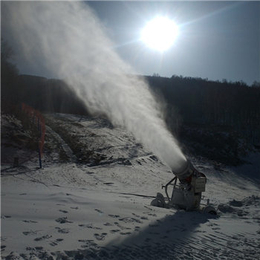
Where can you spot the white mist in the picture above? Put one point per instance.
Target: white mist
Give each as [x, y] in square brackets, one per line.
[68, 40]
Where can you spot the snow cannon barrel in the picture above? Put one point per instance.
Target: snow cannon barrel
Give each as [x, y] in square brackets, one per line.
[186, 171]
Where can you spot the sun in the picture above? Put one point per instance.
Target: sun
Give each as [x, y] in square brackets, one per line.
[160, 33]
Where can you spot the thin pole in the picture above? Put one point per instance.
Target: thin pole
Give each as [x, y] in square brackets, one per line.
[40, 157]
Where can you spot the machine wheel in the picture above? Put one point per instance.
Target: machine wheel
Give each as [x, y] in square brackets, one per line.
[159, 201]
[210, 210]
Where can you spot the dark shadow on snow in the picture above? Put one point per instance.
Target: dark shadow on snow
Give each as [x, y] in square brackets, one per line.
[166, 238]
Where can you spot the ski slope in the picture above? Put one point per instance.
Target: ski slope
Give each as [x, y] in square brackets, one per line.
[101, 210]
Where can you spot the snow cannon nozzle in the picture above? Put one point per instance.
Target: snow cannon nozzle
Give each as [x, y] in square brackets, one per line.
[185, 172]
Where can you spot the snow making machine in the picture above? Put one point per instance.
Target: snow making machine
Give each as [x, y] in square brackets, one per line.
[187, 187]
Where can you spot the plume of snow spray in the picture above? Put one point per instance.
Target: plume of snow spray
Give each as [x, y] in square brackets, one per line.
[71, 43]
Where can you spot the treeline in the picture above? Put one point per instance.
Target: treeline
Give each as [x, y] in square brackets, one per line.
[203, 102]
[187, 100]
[45, 95]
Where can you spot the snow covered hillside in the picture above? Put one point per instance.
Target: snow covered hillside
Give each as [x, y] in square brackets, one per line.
[91, 199]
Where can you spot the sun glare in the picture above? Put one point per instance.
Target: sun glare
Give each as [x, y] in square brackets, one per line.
[160, 33]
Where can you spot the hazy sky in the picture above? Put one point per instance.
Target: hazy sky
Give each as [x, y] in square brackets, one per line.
[217, 40]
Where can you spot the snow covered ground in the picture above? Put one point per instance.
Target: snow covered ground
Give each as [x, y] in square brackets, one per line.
[101, 210]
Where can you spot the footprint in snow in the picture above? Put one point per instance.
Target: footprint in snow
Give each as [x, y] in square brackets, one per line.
[63, 211]
[130, 220]
[37, 248]
[62, 230]
[42, 238]
[125, 233]
[109, 183]
[114, 216]
[26, 233]
[216, 228]
[89, 226]
[108, 224]
[137, 228]
[29, 221]
[153, 225]
[55, 243]
[99, 211]
[3, 217]
[100, 236]
[121, 227]
[114, 231]
[150, 214]
[88, 243]
[63, 220]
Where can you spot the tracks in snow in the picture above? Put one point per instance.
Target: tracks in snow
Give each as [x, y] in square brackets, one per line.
[64, 146]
